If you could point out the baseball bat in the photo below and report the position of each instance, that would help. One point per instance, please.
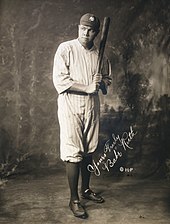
(104, 34)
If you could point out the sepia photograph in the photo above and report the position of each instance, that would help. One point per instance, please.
(84, 111)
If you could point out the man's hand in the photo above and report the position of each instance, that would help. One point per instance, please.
(97, 77)
(94, 86)
(98, 82)
(107, 80)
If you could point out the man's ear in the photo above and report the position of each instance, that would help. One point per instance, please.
(97, 32)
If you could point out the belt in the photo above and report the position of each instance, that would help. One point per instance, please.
(78, 93)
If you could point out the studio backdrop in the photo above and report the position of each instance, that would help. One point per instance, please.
(134, 122)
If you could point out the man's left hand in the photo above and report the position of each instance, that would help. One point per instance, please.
(107, 80)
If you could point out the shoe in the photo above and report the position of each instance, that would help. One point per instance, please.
(77, 209)
(90, 195)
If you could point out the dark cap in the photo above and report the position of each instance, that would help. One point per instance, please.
(90, 20)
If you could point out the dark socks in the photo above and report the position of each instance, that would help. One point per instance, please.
(85, 173)
(72, 170)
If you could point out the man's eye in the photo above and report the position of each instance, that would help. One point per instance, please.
(83, 28)
(89, 30)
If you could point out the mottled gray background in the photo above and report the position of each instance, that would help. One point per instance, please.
(138, 47)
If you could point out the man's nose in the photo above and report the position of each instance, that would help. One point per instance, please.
(86, 32)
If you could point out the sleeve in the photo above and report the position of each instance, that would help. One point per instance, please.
(61, 76)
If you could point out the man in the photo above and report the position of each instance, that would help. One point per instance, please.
(77, 82)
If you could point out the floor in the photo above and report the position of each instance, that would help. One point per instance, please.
(42, 198)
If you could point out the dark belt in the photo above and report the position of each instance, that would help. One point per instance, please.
(78, 93)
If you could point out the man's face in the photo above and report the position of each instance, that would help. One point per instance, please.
(86, 34)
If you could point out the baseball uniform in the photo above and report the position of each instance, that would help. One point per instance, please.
(78, 113)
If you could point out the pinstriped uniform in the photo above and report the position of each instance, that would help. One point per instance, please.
(78, 114)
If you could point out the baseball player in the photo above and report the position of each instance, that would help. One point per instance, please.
(77, 82)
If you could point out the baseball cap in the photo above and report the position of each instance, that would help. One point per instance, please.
(91, 20)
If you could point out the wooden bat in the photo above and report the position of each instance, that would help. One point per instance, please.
(104, 34)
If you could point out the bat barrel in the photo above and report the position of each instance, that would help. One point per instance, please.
(105, 29)
(104, 33)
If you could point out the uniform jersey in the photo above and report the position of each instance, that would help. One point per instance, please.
(78, 114)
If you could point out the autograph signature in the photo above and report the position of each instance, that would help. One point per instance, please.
(117, 141)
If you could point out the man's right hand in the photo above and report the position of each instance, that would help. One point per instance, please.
(92, 88)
